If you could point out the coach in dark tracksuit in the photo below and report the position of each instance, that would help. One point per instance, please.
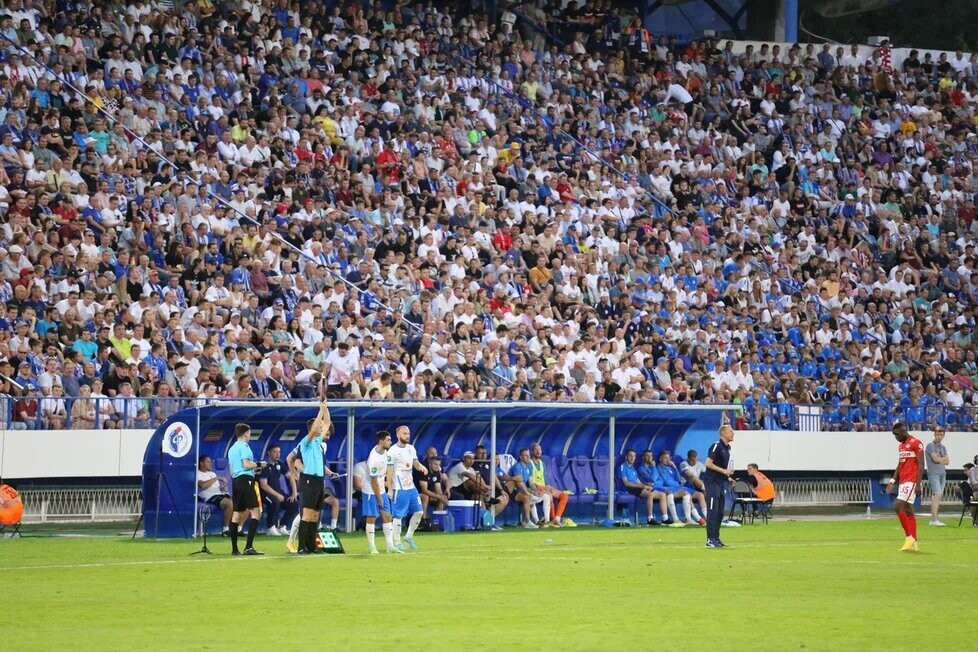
(715, 479)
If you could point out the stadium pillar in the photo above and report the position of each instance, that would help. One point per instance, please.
(492, 449)
(790, 21)
(350, 424)
(611, 466)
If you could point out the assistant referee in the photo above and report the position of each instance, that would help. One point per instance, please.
(242, 464)
(715, 479)
(311, 483)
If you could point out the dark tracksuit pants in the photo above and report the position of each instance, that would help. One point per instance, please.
(714, 509)
(279, 513)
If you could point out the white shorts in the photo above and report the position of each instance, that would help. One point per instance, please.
(907, 492)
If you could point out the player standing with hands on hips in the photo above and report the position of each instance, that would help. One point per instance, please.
(907, 477)
(715, 479)
(242, 464)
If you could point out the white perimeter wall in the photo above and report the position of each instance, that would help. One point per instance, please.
(119, 453)
(72, 453)
(777, 450)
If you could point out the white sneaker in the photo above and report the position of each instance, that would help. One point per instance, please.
(530, 526)
(937, 524)
(273, 532)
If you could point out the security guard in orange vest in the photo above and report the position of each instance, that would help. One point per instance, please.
(760, 484)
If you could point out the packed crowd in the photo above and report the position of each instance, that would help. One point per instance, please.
(480, 214)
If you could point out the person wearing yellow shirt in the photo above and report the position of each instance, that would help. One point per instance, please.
(95, 101)
(509, 154)
(251, 238)
(531, 87)
(539, 481)
(331, 129)
(239, 133)
(383, 387)
(120, 342)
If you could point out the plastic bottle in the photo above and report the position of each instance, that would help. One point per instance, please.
(449, 522)
(869, 511)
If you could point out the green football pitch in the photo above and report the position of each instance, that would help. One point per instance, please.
(817, 585)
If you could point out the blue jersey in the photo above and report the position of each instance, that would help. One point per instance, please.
(628, 472)
(668, 478)
(312, 456)
(238, 453)
(524, 471)
(646, 473)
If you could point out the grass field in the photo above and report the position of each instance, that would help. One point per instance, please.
(833, 585)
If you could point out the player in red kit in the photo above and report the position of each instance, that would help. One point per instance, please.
(907, 476)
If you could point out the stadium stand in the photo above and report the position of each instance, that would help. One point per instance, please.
(203, 200)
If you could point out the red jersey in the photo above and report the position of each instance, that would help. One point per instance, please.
(909, 469)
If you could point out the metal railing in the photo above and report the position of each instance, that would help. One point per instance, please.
(809, 417)
(150, 412)
(81, 505)
(43, 413)
(824, 492)
(951, 495)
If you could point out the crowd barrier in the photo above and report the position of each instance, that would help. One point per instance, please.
(118, 452)
(151, 412)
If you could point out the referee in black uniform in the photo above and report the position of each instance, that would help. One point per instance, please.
(715, 479)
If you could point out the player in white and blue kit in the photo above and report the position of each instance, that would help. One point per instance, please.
(402, 462)
(376, 501)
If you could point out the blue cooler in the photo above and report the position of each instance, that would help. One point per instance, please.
(445, 520)
(464, 513)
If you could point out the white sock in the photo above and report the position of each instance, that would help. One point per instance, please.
(694, 513)
(371, 536)
(688, 507)
(389, 535)
(413, 524)
(333, 523)
(396, 523)
(547, 504)
(671, 502)
(294, 530)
